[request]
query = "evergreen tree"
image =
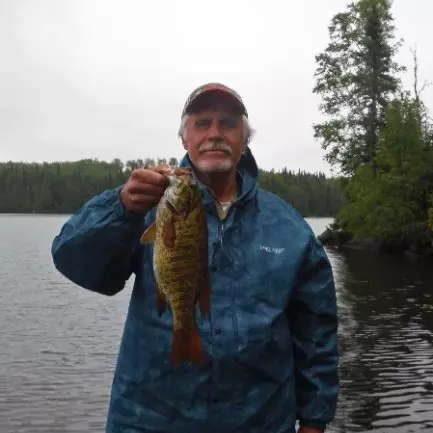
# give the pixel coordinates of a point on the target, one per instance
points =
(356, 77)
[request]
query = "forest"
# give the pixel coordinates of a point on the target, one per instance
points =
(378, 134)
(63, 187)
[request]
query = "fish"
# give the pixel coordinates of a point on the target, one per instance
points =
(180, 261)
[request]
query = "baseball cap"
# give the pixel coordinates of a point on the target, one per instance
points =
(201, 96)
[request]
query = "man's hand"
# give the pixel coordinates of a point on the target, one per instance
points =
(143, 190)
(310, 430)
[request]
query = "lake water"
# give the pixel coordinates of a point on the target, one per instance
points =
(58, 342)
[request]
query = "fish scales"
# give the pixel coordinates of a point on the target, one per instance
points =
(180, 261)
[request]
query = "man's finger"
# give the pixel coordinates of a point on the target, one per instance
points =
(136, 187)
(142, 199)
(148, 176)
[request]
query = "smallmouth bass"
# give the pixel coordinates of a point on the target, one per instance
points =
(180, 261)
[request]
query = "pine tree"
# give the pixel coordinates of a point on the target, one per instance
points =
(356, 78)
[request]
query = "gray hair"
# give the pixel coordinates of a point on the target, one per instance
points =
(248, 132)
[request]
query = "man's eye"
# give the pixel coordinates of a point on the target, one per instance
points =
(229, 122)
(203, 123)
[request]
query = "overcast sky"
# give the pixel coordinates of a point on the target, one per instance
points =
(106, 79)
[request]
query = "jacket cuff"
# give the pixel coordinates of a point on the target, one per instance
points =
(121, 211)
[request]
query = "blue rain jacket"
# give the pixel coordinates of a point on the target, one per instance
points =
(272, 338)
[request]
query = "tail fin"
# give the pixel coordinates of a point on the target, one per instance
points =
(187, 346)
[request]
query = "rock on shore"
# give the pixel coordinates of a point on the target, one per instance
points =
(341, 240)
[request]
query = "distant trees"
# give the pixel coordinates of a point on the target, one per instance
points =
(63, 187)
(311, 194)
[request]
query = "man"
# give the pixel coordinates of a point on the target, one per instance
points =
(272, 338)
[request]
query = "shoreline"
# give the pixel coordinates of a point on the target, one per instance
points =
(346, 241)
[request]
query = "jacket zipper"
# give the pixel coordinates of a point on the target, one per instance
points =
(221, 234)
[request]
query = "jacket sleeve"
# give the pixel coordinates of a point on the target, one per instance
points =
(314, 322)
(97, 246)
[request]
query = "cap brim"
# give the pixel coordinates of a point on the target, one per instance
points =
(215, 99)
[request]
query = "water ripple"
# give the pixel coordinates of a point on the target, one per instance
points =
(59, 343)
(386, 366)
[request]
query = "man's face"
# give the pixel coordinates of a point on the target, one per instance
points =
(214, 140)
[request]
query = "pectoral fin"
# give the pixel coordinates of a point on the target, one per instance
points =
(161, 301)
(149, 235)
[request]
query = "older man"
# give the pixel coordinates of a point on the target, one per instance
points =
(272, 350)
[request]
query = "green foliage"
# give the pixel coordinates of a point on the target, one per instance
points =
(394, 202)
(63, 187)
(356, 77)
(56, 187)
(381, 136)
(430, 216)
(375, 208)
(311, 194)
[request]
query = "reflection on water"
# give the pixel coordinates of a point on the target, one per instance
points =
(58, 343)
(387, 334)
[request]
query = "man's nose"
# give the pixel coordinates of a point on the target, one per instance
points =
(214, 131)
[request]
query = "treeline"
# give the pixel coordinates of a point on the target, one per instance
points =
(62, 187)
(312, 194)
(379, 134)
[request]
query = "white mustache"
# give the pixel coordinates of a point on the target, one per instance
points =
(215, 145)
